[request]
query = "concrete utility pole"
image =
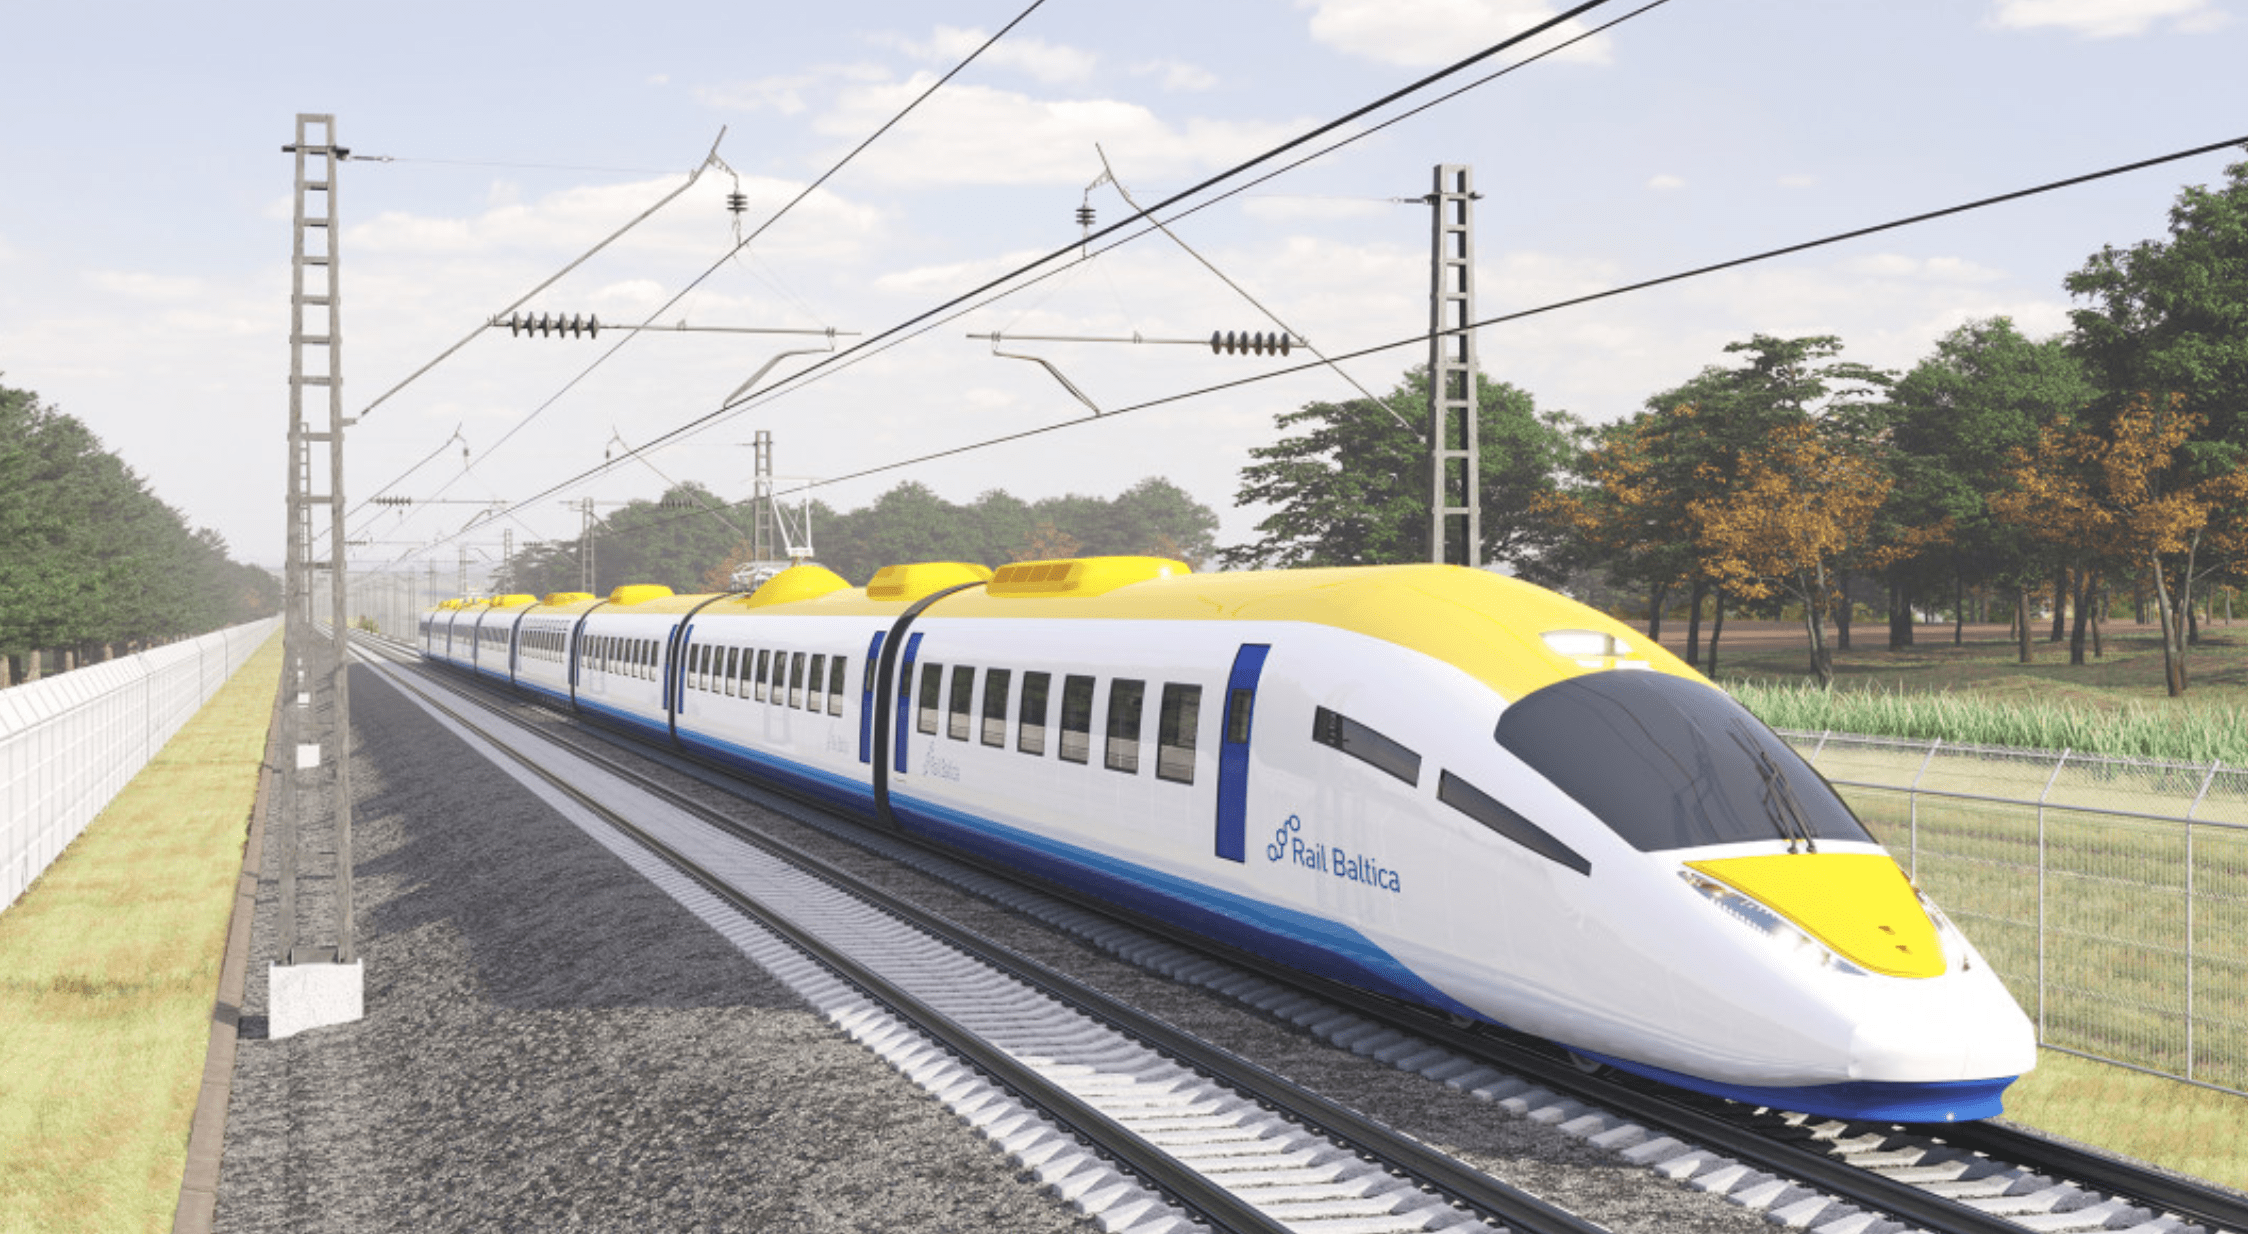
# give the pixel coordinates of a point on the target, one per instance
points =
(762, 548)
(1455, 507)
(315, 986)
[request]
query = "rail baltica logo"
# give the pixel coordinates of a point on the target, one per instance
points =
(1288, 845)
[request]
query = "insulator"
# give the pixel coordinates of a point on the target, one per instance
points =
(737, 201)
(593, 330)
(1217, 343)
(1084, 216)
(1284, 344)
(577, 325)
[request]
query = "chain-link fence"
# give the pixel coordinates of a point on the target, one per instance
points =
(68, 743)
(2111, 894)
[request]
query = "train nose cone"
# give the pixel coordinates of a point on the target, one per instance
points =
(1859, 905)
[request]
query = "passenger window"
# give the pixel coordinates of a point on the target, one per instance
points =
(1483, 808)
(1123, 752)
(996, 681)
(749, 665)
(1030, 734)
(796, 679)
(1077, 719)
(963, 697)
(812, 699)
(925, 711)
(1332, 728)
(1237, 716)
(1175, 731)
(764, 660)
(837, 676)
(733, 666)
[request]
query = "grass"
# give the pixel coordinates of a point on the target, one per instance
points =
(109, 968)
(1976, 692)
(2191, 1130)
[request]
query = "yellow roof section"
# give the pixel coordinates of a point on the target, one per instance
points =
(909, 582)
(1082, 576)
(639, 593)
(566, 597)
(1858, 904)
(512, 601)
(803, 581)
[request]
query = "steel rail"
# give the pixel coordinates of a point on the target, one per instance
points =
(1639, 1101)
(1518, 1209)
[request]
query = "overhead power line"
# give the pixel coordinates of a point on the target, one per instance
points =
(1239, 168)
(1554, 306)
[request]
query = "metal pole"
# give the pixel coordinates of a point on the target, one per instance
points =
(1455, 465)
(2191, 810)
(1912, 808)
(2049, 782)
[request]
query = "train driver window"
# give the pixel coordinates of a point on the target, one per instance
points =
(837, 678)
(996, 681)
(764, 659)
(963, 697)
(1175, 732)
(816, 687)
(1123, 751)
(1077, 719)
(1332, 728)
(925, 707)
(796, 680)
(1030, 734)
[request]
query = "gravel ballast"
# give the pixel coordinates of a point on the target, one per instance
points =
(552, 1043)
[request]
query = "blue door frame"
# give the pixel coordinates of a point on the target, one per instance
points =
(1233, 749)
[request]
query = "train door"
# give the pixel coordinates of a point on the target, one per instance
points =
(904, 718)
(866, 697)
(1233, 749)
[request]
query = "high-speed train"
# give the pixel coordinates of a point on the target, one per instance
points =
(1445, 785)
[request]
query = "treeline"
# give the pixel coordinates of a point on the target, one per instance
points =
(2110, 460)
(93, 564)
(693, 540)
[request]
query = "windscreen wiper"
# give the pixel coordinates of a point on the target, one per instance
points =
(1780, 802)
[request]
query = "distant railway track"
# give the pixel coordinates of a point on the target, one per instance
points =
(1820, 1173)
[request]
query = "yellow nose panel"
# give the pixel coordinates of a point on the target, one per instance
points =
(1858, 904)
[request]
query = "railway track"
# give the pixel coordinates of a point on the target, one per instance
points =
(1827, 1175)
(1187, 1126)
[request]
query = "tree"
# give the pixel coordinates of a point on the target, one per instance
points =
(1796, 506)
(2130, 487)
(1955, 419)
(1351, 484)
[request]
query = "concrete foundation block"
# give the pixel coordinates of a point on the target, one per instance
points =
(302, 996)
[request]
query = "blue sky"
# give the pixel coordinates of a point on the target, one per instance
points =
(144, 235)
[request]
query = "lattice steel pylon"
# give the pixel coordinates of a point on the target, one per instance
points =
(1455, 533)
(316, 363)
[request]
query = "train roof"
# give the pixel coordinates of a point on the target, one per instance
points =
(1513, 636)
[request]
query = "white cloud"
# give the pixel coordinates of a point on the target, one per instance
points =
(784, 93)
(660, 79)
(1797, 181)
(1665, 183)
(948, 278)
(140, 285)
(979, 135)
(6, 253)
(1425, 33)
(2101, 19)
(1051, 63)
(1178, 76)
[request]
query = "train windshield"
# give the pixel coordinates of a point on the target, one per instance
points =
(1671, 763)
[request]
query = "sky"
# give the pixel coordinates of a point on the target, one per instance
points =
(145, 222)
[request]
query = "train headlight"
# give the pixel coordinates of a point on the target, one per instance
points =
(1956, 948)
(1780, 933)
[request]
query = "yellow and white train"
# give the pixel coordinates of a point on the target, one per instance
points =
(1438, 783)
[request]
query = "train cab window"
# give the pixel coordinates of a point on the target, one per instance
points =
(1670, 763)
(1332, 728)
(733, 667)
(1077, 719)
(1175, 727)
(1030, 731)
(837, 677)
(1123, 751)
(996, 681)
(1491, 812)
(816, 688)
(925, 708)
(764, 658)
(963, 698)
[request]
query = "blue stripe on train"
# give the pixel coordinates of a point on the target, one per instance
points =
(1890, 1101)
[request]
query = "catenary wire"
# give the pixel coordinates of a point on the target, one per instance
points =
(827, 365)
(1553, 306)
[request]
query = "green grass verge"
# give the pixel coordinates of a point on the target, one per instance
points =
(109, 968)
(2178, 1126)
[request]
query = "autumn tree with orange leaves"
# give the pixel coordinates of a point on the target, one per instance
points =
(1795, 508)
(2130, 487)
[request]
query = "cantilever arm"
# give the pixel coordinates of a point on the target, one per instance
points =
(1043, 363)
(744, 388)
